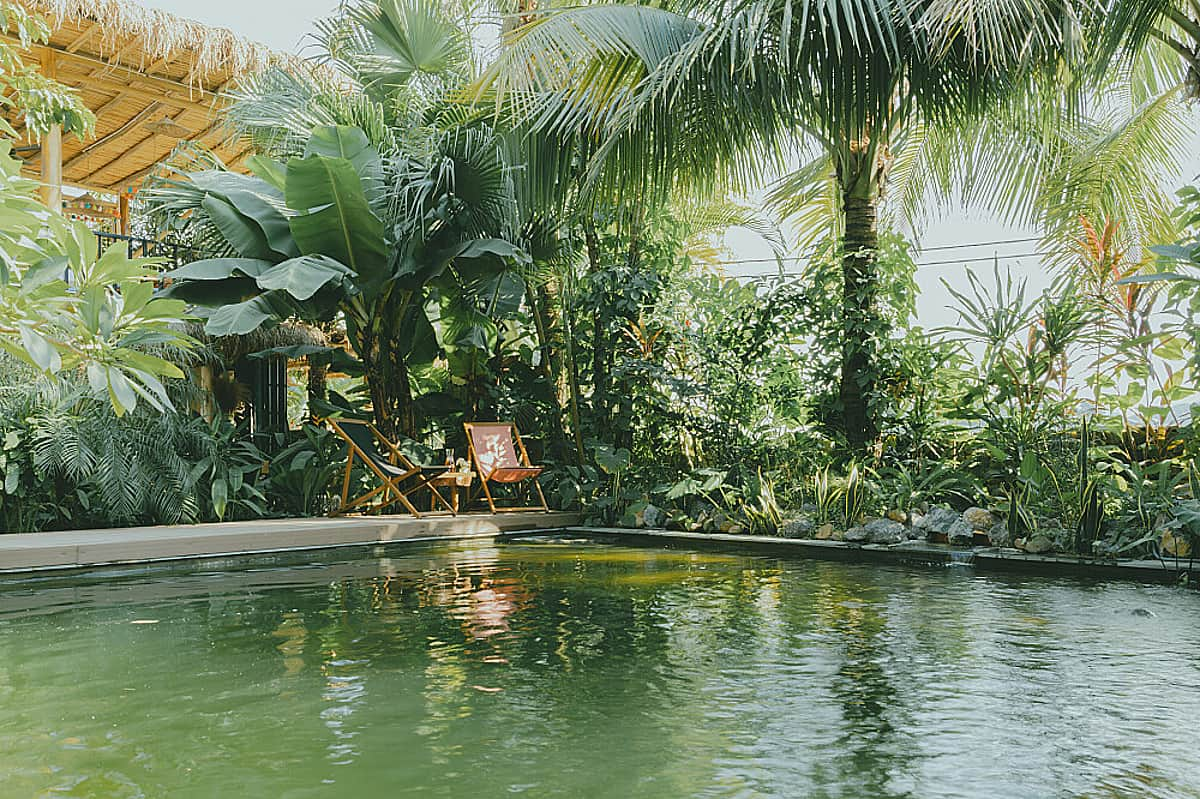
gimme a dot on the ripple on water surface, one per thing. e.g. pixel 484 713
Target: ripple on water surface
pixel 580 670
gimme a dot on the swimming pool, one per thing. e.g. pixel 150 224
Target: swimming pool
pixel 568 668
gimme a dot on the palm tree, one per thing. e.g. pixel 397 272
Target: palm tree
pixel 709 93
pixel 1109 156
pixel 1164 31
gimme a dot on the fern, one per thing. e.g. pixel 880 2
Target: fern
pixel 88 467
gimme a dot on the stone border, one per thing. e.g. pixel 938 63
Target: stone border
pixel 980 558
pixel 84 549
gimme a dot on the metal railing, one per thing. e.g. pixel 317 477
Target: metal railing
pixel 174 255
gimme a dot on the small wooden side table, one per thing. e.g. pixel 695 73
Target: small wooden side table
pixel 443 477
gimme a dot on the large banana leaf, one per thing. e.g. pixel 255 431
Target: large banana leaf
pixel 424 262
pixel 213 282
pixel 345 141
pixel 268 169
pixel 219 269
pixel 303 277
pixel 498 294
pixel 242 232
pixel 251 219
pixel 334 357
pixel 211 293
pixel 335 218
pixel 242 318
pixel 417 331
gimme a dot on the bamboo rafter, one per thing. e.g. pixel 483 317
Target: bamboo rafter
pixel 133 66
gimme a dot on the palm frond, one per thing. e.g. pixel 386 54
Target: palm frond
pixel 702 221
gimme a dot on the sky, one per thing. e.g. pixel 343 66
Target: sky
pixel 283 25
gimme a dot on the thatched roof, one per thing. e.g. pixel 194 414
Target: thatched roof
pixel 152 79
pixel 231 348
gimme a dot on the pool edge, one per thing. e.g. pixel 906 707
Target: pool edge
pixel 984 559
pixel 81 550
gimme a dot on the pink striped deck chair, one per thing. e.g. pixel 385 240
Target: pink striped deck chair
pixel 494 455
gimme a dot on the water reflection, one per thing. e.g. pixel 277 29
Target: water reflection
pixel 570 670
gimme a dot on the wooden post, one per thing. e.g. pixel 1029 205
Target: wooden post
pixel 123 204
pixel 52 157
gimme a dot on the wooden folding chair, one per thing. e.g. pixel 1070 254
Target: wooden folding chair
pixel 364 441
pixel 495 458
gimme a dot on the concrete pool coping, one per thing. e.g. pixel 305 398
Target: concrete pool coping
pixel 914 552
pixel 24 553
pixel 83 549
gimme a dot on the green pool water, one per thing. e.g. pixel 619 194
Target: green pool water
pixel 569 669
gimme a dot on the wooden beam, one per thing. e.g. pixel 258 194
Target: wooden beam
pixel 49 63
pixel 240 158
pixel 147 93
pixel 134 177
pixel 161 83
pixel 109 103
pixel 129 125
pixel 95 79
pixel 140 145
pixel 213 127
pixel 79 40
pixel 52 160
pixel 115 58
pixel 137 175
pixel 91 187
pixel 157 65
pixel 122 183
pixel 123 207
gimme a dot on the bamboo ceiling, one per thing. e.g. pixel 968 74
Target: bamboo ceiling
pixel 152 79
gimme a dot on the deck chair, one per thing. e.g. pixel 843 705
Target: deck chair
pixel 365 442
pixel 495 458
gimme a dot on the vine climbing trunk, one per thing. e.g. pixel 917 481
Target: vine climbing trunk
pixel 545 321
pixel 599 333
pixel 623 424
pixel 859 286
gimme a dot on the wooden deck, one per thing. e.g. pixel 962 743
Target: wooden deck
pixel 74 549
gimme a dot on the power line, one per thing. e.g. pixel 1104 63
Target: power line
pixel 984 258
pixel 770 275
pixel 978 244
pixel 940 247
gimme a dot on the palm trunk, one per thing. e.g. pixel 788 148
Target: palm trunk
pixel 859 284
pixel 391 392
pixel 572 375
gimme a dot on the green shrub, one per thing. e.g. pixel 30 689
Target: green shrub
pixel 69 461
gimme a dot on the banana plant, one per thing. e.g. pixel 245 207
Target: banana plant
pixel 339 231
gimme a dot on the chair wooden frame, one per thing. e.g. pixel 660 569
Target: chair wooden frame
pixel 389 484
pixel 486 476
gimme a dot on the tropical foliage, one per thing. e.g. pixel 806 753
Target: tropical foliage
pixel 351 214
pixel 41 100
pixel 66 307
pixel 537 234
